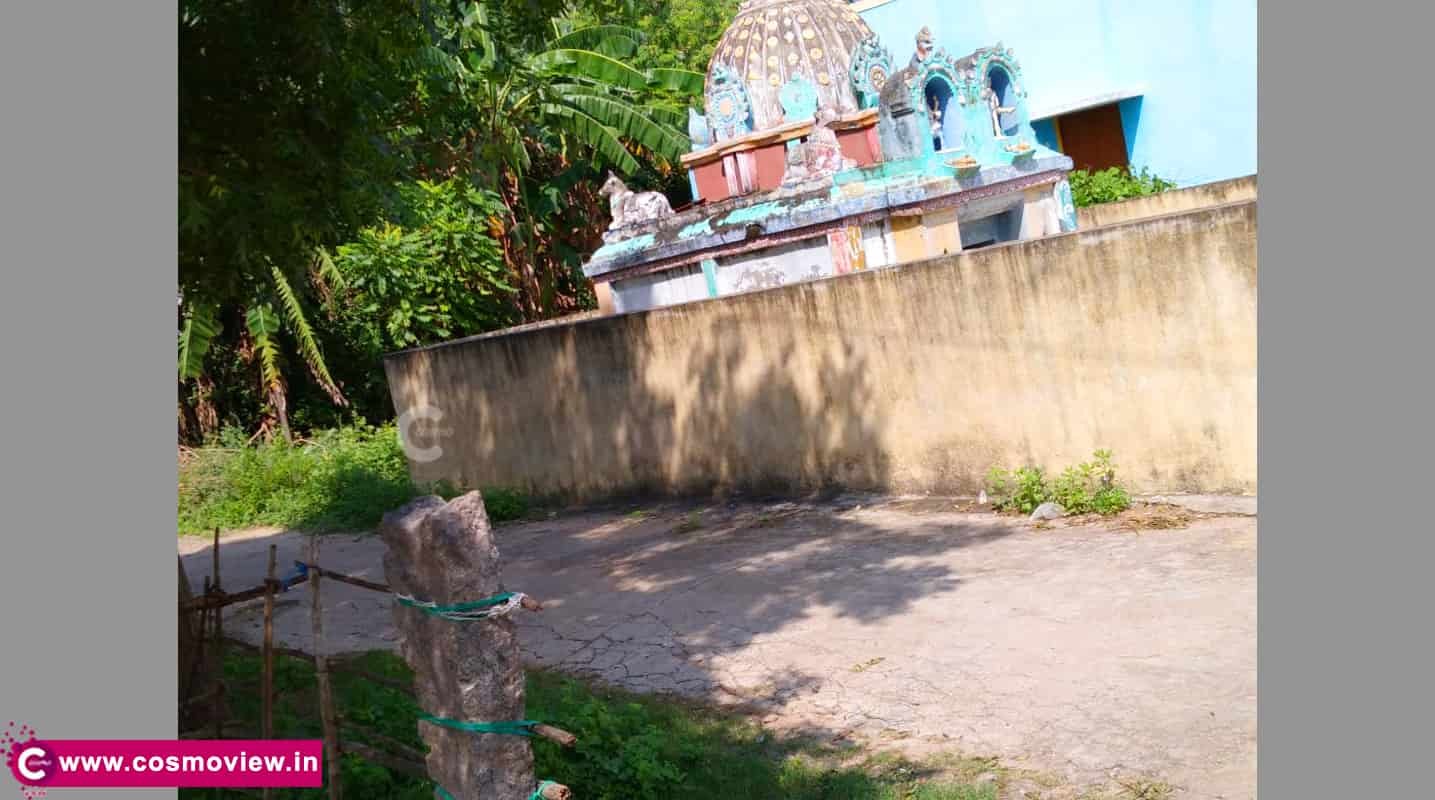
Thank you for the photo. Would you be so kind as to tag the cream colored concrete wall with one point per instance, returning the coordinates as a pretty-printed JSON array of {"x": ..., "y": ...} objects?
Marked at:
[
  {"x": 1140, "y": 338},
  {"x": 1204, "y": 196}
]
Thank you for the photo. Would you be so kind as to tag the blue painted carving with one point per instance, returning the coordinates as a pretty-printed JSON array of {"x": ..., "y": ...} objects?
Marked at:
[
  {"x": 799, "y": 99},
  {"x": 1065, "y": 207},
  {"x": 871, "y": 67},
  {"x": 698, "y": 130},
  {"x": 729, "y": 111},
  {"x": 976, "y": 103}
]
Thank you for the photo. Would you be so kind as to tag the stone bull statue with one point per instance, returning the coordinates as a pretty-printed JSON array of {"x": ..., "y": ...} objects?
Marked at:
[{"x": 630, "y": 207}]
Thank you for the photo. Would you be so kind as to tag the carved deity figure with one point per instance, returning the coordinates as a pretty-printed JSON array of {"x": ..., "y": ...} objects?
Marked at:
[
  {"x": 925, "y": 42},
  {"x": 997, "y": 109},
  {"x": 935, "y": 114},
  {"x": 631, "y": 207},
  {"x": 820, "y": 155}
]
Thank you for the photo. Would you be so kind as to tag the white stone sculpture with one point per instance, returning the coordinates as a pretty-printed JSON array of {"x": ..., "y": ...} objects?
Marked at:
[{"x": 630, "y": 207}]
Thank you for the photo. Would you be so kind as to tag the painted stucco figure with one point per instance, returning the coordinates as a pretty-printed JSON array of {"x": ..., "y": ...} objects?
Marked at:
[
  {"x": 630, "y": 207},
  {"x": 925, "y": 43},
  {"x": 818, "y": 157}
]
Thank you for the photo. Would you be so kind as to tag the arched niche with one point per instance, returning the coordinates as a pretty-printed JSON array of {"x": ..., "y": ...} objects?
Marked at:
[
  {"x": 938, "y": 88},
  {"x": 1002, "y": 101}
]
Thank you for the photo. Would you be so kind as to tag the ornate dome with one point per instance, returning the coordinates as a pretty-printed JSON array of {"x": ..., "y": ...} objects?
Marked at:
[{"x": 771, "y": 42}]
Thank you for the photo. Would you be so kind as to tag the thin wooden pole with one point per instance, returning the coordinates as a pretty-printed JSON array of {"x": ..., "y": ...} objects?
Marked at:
[
  {"x": 327, "y": 714},
  {"x": 202, "y": 656},
  {"x": 218, "y": 649},
  {"x": 349, "y": 579},
  {"x": 266, "y": 720}
]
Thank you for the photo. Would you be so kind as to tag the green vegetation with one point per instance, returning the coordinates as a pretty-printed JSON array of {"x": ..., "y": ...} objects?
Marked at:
[
  {"x": 356, "y": 178},
  {"x": 1113, "y": 184},
  {"x": 630, "y": 747},
  {"x": 1088, "y": 487},
  {"x": 341, "y": 479},
  {"x": 692, "y": 522}
]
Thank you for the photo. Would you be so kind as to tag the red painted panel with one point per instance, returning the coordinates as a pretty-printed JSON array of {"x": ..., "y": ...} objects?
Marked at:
[
  {"x": 857, "y": 145},
  {"x": 771, "y": 164},
  {"x": 712, "y": 186}
]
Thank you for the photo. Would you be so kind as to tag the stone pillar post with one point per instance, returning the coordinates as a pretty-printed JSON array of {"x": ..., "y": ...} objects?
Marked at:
[{"x": 463, "y": 670}]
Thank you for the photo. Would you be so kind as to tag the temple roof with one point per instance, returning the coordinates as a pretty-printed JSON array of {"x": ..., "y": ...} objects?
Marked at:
[
  {"x": 858, "y": 195},
  {"x": 773, "y": 41}
]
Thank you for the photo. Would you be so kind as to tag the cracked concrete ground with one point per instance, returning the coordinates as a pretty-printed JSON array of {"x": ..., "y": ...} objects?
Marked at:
[{"x": 1084, "y": 651}]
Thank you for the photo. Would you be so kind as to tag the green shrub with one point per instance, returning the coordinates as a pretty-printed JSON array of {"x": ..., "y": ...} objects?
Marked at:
[
  {"x": 341, "y": 479},
  {"x": 438, "y": 275},
  {"x": 1088, "y": 487},
  {"x": 1113, "y": 184},
  {"x": 505, "y": 504},
  {"x": 1022, "y": 490},
  {"x": 621, "y": 753}
]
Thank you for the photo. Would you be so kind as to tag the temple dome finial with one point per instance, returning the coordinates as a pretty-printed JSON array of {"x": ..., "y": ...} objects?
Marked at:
[{"x": 771, "y": 42}]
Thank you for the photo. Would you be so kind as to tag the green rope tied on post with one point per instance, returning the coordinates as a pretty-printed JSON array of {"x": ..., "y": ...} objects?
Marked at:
[
  {"x": 537, "y": 793},
  {"x": 522, "y": 727},
  {"x": 494, "y": 606}
]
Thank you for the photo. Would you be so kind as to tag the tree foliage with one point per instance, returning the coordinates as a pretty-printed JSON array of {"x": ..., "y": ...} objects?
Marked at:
[
  {"x": 379, "y": 160},
  {"x": 435, "y": 275}
]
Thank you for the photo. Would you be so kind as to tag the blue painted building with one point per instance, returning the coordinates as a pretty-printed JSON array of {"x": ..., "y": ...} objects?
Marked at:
[{"x": 1168, "y": 85}]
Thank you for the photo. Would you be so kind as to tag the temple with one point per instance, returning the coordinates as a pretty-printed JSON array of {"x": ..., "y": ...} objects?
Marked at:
[{"x": 818, "y": 156}]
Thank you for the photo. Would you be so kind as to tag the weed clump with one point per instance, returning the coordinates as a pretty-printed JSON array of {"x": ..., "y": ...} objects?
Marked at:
[{"x": 1085, "y": 488}]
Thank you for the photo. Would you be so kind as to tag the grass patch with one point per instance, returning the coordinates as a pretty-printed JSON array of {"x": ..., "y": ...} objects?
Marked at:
[
  {"x": 630, "y": 747},
  {"x": 341, "y": 479},
  {"x": 692, "y": 522}
]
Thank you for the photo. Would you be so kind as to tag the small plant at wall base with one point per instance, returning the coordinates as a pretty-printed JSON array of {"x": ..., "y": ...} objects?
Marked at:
[
  {"x": 1085, "y": 488},
  {"x": 1113, "y": 184}
]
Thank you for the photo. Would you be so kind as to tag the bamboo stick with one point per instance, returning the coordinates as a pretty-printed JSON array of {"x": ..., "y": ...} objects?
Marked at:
[
  {"x": 220, "y": 601},
  {"x": 321, "y": 668},
  {"x": 349, "y": 579},
  {"x": 393, "y": 762},
  {"x": 334, "y": 665},
  {"x": 218, "y": 648},
  {"x": 388, "y": 743},
  {"x": 553, "y": 734},
  {"x": 266, "y": 719}
]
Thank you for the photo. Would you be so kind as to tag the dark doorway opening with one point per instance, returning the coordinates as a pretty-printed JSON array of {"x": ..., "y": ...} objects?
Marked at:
[{"x": 1093, "y": 138}]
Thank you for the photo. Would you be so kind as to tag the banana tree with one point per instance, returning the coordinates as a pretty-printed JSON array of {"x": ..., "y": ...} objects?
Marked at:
[
  {"x": 200, "y": 327},
  {"x": 553, "y": 112}
]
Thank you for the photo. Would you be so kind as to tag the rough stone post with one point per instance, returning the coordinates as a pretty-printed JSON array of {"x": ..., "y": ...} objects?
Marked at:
[{"x": 468, "y": 671}]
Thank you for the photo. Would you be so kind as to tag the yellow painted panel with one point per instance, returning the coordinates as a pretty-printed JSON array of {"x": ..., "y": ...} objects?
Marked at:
[
  {"x": 944, "y": 237},
  {"x": 908, "y": 239}
]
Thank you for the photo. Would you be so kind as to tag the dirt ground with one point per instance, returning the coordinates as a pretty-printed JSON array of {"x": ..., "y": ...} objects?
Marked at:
[{"x": 1091, "y": 650}]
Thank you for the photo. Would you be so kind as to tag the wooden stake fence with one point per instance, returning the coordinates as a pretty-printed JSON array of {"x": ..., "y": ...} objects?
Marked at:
[
  {"x": 209, "y": 610},
  {"x": 321, "y": 668}
]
